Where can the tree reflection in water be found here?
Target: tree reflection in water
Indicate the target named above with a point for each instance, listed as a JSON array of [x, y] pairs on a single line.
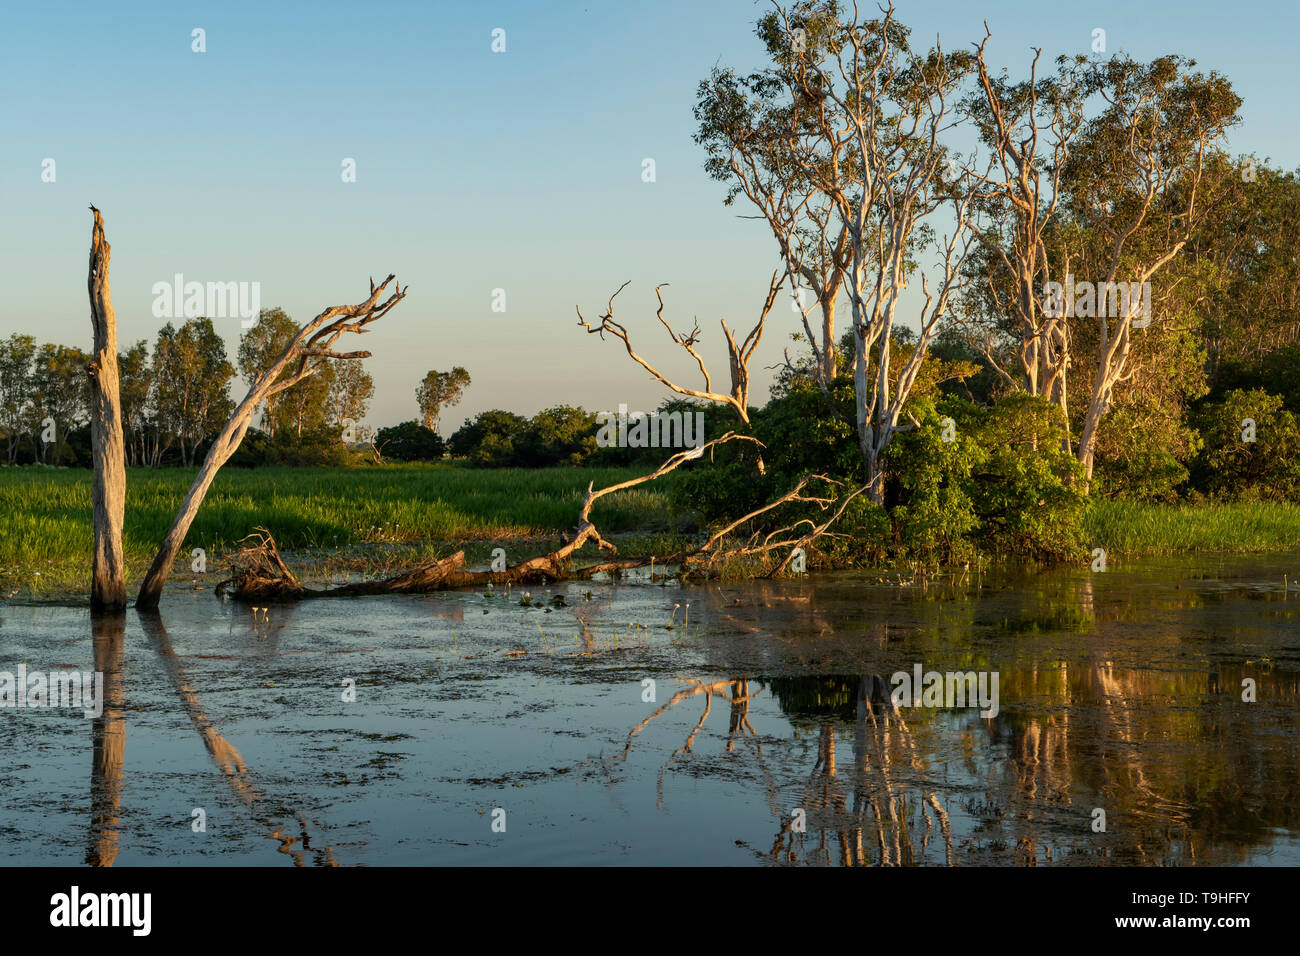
[[1024, 786], [108, 735]]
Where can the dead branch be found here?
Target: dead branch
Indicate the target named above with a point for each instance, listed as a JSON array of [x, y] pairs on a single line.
[[260, 573], [739, 354]]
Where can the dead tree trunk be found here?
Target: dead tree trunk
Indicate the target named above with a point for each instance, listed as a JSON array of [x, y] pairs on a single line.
[[310, 349], [108, 570]]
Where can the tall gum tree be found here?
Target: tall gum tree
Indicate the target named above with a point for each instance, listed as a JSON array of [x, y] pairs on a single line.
[[887, 107], [1029, 127], [765, 137], [1136, 180]]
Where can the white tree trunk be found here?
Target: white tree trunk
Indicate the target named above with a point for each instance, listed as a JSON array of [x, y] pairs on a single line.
[[108, 570]]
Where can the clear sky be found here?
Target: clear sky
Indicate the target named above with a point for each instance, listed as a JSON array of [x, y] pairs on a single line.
[[475, 170]]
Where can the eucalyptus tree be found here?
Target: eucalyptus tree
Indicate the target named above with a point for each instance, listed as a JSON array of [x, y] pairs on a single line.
[[1028, 127], [762, 133], [350, 389], [1136, 183], [60, 398], [135, 387], [440, 390], [259, 349], [880, 111], [191, 383], [17, 361]]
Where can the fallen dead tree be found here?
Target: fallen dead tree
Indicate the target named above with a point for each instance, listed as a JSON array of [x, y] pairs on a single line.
[[258, 573]]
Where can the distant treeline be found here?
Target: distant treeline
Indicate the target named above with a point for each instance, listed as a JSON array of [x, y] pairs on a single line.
[[175, 399]]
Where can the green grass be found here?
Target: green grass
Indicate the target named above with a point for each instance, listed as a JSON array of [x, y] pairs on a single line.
[[45, 512], [1129, 527], [370, 519]]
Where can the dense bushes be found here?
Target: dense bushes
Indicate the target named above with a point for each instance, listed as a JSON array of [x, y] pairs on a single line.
[[1252, 448], [966, 479], [563, 435], [488, 439], [410, 441], [315, 448]]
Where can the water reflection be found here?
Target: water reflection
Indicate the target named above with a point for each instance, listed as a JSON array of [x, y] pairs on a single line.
[[1183, 768], [1117, 693], [108, 736], [108, 741], [228, 759]]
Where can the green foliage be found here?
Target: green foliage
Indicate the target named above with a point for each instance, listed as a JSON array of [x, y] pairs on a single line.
[[438, 391], [933, 512], [1231, 466], [562, 435], [259, 348], [805, 433], [489, 439], [800, 435], [1028, 490], [191, 380], [410, 441], [1136, 460], [966, 479], [1273, 372], [318, 448]]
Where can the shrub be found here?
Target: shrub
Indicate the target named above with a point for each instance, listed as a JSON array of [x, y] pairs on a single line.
[[410, 441], [489, 438], [562, 435], [1235, 468], [1028, 490]]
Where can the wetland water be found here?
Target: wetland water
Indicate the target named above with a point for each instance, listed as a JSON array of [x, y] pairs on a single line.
[[1120, 691]]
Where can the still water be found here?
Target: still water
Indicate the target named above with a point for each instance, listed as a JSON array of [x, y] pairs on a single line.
[[643, 722]]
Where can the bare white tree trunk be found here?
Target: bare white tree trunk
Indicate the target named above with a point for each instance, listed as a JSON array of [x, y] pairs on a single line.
[[108, 571]]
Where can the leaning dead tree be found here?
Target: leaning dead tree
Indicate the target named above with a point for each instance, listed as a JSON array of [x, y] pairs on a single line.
[[306, 354], [108, 569], [738, 354]]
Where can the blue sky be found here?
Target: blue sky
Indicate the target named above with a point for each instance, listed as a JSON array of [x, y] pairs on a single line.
[[475, 170]]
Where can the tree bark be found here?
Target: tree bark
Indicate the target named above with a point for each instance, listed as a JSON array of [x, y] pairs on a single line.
[[108, 571], [828, 356]]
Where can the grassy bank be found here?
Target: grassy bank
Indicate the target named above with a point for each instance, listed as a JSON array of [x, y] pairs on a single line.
[[1127, 527], [394, 511], [340, 519]]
